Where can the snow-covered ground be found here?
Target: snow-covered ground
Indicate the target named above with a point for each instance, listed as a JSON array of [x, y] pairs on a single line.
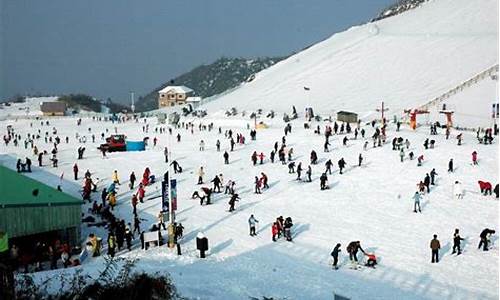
[[371, 203], [405, 61], [28, 109]]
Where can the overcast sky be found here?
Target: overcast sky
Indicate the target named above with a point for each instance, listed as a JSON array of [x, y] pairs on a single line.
[[108, 48]]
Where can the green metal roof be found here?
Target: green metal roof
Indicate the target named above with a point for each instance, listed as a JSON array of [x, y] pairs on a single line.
[[18, 190]]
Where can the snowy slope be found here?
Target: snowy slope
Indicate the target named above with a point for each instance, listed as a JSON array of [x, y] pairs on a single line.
[[404, 60], [371, 203], [472, 107]]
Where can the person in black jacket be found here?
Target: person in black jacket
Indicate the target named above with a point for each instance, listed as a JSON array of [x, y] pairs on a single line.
[[433, 176], [495, 190], [456, 242], [132, 180], [322, 180], [450, 166], [352, 249], [427, 182], [341, 164], [484, 238], [335, 255]]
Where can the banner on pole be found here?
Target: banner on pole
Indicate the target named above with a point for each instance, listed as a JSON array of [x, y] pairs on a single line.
[[173, 193], [164, 196]]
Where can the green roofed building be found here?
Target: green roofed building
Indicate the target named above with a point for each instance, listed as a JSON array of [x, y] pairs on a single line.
[[29, 207]]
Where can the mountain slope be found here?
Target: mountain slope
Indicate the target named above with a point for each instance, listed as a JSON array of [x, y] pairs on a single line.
[[404, 60], [212, 79]]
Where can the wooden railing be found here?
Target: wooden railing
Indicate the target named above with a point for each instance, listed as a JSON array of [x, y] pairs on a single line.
[[493, 71]]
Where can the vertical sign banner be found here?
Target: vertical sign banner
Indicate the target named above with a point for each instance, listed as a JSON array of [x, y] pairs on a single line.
[[164, 196], [173, 193]]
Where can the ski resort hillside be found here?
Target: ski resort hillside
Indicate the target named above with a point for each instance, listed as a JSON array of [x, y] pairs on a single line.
[[406, 61], [356, 206]]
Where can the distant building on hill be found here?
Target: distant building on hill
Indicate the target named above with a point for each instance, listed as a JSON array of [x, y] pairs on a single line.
[[53, 108], [176, 95]]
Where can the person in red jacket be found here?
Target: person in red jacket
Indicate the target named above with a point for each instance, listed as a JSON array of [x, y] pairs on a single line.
[[134, 204], [274, 231], [485, 187], [474, 158], [261, 158], [140, 193]]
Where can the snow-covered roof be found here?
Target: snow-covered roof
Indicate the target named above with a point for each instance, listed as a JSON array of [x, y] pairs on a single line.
[[176, 89], [193, 99]]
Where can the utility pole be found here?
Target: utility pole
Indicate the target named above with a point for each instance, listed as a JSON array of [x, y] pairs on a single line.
[[132, 107], [382, 111], [171, 215]]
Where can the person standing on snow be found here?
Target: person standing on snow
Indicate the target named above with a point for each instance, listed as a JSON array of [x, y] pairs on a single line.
[[335, 255], [458, 191], [474, 158], [132, 180], [360, 160], [416, 199], [323, 179], [226, 157], [254, 158], [261, 158], [252, 221], [309, 173], [427, 182], [115, 178], [328, 166], [258, 184], [435, 246], [217, 144], [111, 244], [75, 171], [450, 165], [456, 242], [402, 154], [274, 231], [341, 164], [264, 180], [201, 173], [433, 175], [232, 201], [202, 145], [299, 171], [217, 184]]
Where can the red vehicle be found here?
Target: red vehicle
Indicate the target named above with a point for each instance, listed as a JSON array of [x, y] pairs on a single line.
[[115, 142]]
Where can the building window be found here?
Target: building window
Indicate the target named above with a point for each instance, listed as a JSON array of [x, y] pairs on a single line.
[[172, 104]]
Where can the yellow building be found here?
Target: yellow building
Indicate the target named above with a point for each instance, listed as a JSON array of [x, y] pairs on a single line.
[[53, 108], [174, 95]]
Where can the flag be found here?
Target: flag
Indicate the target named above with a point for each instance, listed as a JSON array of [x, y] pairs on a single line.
[[306, 88]]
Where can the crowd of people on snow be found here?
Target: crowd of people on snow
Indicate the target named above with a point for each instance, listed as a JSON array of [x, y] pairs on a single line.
[[122, 234]]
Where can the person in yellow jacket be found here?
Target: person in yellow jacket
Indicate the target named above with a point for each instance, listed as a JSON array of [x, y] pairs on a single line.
[[112, 200], [115, 178]]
